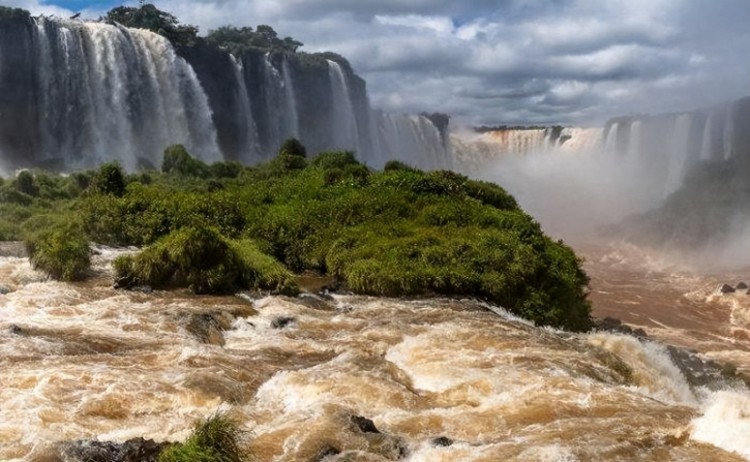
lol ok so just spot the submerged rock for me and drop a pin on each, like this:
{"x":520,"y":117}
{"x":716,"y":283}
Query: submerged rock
{"x":609,"y":324}
{"x":726,"y":289}
{"x":4,"y":290}
{"x":282,"y":321}
{"x":364,"y":424}
{"x":209,"y":327}
{"x":741,"y":285}
{"x":135,"y":450}
{"x":442,"y":441}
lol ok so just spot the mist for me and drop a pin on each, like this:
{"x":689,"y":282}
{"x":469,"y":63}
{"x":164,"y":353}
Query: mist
{"x":675,"y":183}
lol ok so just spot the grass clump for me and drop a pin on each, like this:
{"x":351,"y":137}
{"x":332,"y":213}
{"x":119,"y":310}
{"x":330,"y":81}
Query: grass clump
{"x":63,"y":253}
{"x":215,"y":439}
{"x":203,"y":260}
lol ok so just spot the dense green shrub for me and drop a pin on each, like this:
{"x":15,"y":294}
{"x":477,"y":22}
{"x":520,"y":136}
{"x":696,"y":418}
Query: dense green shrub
{"x":216,"y":439}
{"x":63,"y":253}
{"x":178,"y":161}
{"x":109,"y":179}
{"x":203,"y":260}
{"x":393,"y":165}
{"x":25,"y":183}
{"x":293,"y":147}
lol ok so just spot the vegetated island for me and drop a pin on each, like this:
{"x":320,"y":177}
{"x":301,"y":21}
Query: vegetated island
{"x":224,"y":227}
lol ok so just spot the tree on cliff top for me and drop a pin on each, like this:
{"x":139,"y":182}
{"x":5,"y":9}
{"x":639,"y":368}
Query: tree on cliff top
{"x":149,"y":17}
{"x":238,"y":40}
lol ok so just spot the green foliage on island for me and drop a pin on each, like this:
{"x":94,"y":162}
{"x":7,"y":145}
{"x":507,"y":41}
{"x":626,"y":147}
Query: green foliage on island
{"x":216,"y":439}
{"x":62,"y":252}
{"x":218,"y":228}
{"x":205,"y":261}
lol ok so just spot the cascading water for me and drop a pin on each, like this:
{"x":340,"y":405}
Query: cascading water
{"x":678,"y":152}
{"x":290,"y":102}
{"x":110,"y":93}
{"x":250,"y":147}
{"x":412,"y":139}
{"x":344,"y":122}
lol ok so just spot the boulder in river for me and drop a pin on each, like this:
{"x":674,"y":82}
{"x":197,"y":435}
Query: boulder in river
{"x":726,"y":289}
{"x":134,"y":450}
{"x":741,"y":285}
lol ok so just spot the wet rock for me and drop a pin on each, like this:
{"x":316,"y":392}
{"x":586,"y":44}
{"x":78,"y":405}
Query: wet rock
{"x":4,"y":290}
{"x":135,"y":450}
{"x":142,"y":289}
{"x":726,"y":289}
{"x":364,"y":424}
{"x":442,"y":441}
{"x":615,"y":325}
{"x":702,"y":373}
{"x":208,"y":327}
{"x":282,"y":321}
{"x":741,"y":286}
{"x":15,"y":330}
{"x":327,"y":451}
{"x":316,"y":302}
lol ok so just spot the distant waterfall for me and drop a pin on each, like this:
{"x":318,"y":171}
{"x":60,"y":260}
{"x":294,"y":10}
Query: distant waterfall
{"x":413,"y":139}
{"x":245,"y":123}
{"x":291,"y":122}
{"x":345,"y":134}
{"x":110,"y":93}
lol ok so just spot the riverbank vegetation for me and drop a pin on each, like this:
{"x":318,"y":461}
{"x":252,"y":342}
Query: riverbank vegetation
{"x":224,"y":227}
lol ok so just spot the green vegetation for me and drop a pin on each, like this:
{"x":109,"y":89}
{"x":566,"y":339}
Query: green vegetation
{"x":147,"y":16}
{"x":62,"y":252}
{"x":239,"y":40}
{"x":206,"y":262}
{"x":216,"y":439}
{"x":401,"y":231}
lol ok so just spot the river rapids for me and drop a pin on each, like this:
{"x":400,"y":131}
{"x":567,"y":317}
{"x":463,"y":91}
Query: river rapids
{"x":440,"y":379}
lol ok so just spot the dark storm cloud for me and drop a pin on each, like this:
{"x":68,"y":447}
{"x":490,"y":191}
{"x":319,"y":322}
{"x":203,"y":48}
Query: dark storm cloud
{"x":557,"y":61}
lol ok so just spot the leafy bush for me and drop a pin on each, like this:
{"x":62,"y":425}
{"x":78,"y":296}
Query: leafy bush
{"x":63,"y":253}
{"x":178,"y":161}
{"x":109,"y":179}
{"x":203,"y":260}
{"x":25,"y":183}
{"x":293,"y":147}
{"x":216,"y":439}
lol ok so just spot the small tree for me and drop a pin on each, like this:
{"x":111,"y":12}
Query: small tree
{"x":25,"y":183}
{"x":293,"y":147}
{"x":110,"y":179}
{"x":178,"y":161}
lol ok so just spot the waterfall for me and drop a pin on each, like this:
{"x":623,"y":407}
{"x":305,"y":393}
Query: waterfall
{"x":728,"y":133}
{"x":248,"y":130}
{"x":344,"y":128}
{"x":110,"y":93}
{"x":634,"y":141}
{"x":412,"y":139}
{"x":610,"y":140}
{"x":707,"y":144}
{"x":679,"y":147}
{"x":290,"y":103}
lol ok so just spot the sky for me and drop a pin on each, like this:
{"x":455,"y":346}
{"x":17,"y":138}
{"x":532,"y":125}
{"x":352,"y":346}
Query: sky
{"x":572,"y":62}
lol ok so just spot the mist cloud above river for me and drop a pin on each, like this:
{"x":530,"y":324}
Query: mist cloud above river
{"x":513,"y":61}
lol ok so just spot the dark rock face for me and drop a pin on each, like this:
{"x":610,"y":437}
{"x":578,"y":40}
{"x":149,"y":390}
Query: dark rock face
{"x":135,"y":450}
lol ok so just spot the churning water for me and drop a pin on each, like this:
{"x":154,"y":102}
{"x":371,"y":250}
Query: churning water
{"x":84,"y":361}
